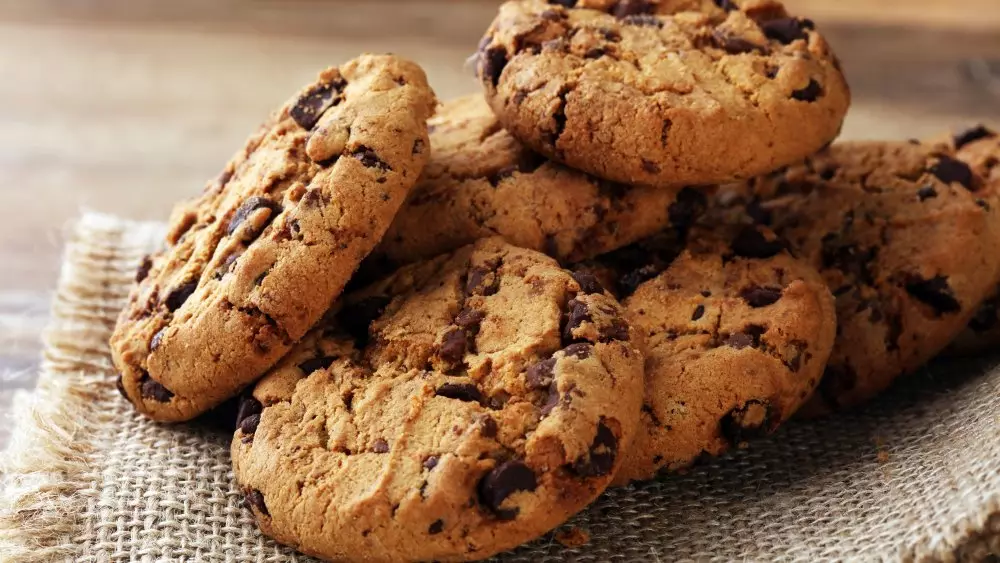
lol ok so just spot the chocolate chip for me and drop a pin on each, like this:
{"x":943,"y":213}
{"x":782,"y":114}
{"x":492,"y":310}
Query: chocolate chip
{"x":453,"y":344}
{"x":949,"y":170}
{"x":488,"y":426}
{"x":601,"y":457}
{"x":431,"y":462}
{"x":726,"y":5}
{"x":643,"y":20}
{"x":588,"y":282}
{"x":986,"y":316}
{"x":176,"y":298}
{"x":149,"y":388}
{"x":370,"y":159}
{"x":691,"y":204}
{"x":314,"y":102}
{"x":460,"y":391}
{"x":552,"y":401}
{"x":493,"y":62}
{"x":436,"y":527}
{"x":254,"y":499}
{"x":380,"y":446}
{"x":934,"y":292}
{"x":751,"y":243}
{"x":926,"y":193}
{"x":582,"y":350}
{"x":249,"y":407}
{"x":355,"y":318}
{"x":747,"y":422}
{"x":563,"y":3}
{"x":482,"y":282}
{"x":249,"y":424}
{"x":971,"y":135}
{"x":539,"y":376}
{"x":617,"y":329}
{"x":734,"y":45}
{"x":154,"y":342}
{"x":469,"y":320}
{"x":810,"y":93}
{"x":249,"y":206}
{"x":786,"y":30}
{"x":578,"y":313}
{"x":748,"y":338}
{"x":626,"y":8}
{"x":120,"y":385}
{"x":502,"y":481}
{"x":315,"y":364}
{"x":144,"y":267}
{"x":650,"y":167}
{"x":699,"y":312}
{"x":849,"y":259}
{"x":759,"y":296}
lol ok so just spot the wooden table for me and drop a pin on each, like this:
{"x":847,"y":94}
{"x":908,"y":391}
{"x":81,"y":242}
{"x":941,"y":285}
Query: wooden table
{"x":125,"y":107}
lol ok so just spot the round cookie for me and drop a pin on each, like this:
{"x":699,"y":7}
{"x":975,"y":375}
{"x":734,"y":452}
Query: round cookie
{"x":663,"y":93}
{"x":481,"y":182}
{"x":979,"y":147}
{"x":457,"y":409}
{"x":250,"y":265}
{"x":905,"y":235}
{"x":737,"y":333}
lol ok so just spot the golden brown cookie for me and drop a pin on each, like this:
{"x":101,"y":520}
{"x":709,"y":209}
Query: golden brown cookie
{"x":906,"y":237}
{"x":252,"y":264}
{"x":459,"y":408}
{"x":481,"y":182}
{"x":737,"y":334}
{"x":663,"y":92}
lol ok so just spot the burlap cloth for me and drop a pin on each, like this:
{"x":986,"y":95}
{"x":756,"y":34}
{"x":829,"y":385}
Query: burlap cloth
{"x":916,"y":476}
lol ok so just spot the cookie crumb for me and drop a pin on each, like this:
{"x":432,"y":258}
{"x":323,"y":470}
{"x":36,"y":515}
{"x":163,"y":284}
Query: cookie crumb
{"x":572,"y":537}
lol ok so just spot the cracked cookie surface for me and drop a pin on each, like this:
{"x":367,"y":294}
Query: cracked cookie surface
{"x":737,"y":333}
{"x":458,"y":408}
{"x":668,"y":92}
{"x":252,"y":263}
{"x":481,"y":182}
{"x":905,"y":235}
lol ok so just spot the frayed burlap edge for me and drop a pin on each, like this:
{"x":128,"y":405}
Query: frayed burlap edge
{"x":48,"y":475}
{"x":46,"y":471}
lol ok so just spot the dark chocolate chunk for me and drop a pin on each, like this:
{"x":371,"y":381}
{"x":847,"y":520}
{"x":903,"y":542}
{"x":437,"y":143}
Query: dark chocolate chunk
{"x":539,"y":376}
{"x":588,"y":282}
{"x":144,"y":267}
{"x":157,"y":339}
{"x":380,"y":446}
{"x":577,"y":314}
{"x":314,"y":102}
{"x":643,"y":20}
{"x":601,"y":458}
{"x":582,"y":350}
{"x":810,"y":93}
{"x":699,"y":312}
{"x":254,"y":499}
{"x":355,"y":318}
{"x":749,"y":337}
{"x":751,"y":420}
{"x":934,"y":292}
{"x":759,"y":296}
{"x":786,"y":30}
{"x":249,"y":206}
{"x":469,"y":320}
{"x":370,"y":159}
{"x":488,"y":426}
{"x":926,"y":192}
{"x":453,"y":345}
{"x":949,"y":170}
{"x":751,"y":243}
{"x":314,"y":364}
{"x":625,"y":8}
{"x":460,"y":391}
{"x":734,"y":45}
{"x":436,"y":527}
{"x":502,"y":481}
{"x":176,"y":298}
{"x":971,"y":135}
{"x":492,"y":63}
{"x":617,"y":329}
{"x":690,"y":205}
{"x":149,"y":388}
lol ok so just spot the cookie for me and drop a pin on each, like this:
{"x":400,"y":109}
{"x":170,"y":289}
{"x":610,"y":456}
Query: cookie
{"x":737,"y":334}
{"x":481,"y":182}
{"x":905,"y":235}
{"x":663,"y":93}
{"x":457,"y":409}
{"x":979,"y":147}
{"x":250,"y":265}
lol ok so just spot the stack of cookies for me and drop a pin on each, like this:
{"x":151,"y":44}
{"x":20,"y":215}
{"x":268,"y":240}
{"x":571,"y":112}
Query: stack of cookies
{"x":448,"y":333}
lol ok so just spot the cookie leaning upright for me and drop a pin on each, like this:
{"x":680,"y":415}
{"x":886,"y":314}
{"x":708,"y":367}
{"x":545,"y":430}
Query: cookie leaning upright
{"x":663,"y":92}
{"x":482,"y":182}
{"x":905,"y":235}
{"x":250,"y":265}
{"x":457,"y":409}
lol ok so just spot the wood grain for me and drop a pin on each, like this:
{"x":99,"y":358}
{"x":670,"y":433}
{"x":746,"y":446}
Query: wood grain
{"x":126,"y":107}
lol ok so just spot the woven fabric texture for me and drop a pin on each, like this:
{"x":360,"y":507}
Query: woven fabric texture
{"x":915,"y":476}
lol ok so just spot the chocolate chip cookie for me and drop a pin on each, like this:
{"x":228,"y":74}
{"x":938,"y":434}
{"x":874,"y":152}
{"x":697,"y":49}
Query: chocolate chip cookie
{"x":905,"y":235}
{"x":458,"y":408}
{"x":481,"y":182}
{"x":663,"y":92}
{"x":737,"y":334}
{"x":979,"y":147}
{"x":252,"y":264}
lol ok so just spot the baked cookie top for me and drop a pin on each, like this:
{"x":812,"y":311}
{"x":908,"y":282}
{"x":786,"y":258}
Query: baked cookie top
{"x":979,"y":147}
{"x":481,"y":182}
{"x":250,"y":265}
{"x":457,"y":409}
{"x":905,"y":235}
{"x":737,"y":334}
{"x":669,"y":92}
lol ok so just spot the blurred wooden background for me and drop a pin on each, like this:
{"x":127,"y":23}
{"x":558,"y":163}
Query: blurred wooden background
{"x":124,"y":106}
